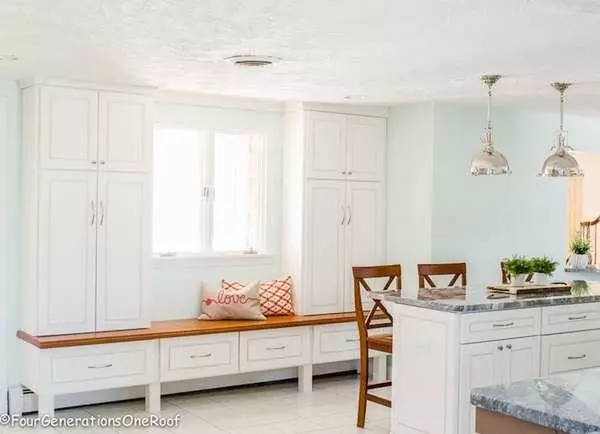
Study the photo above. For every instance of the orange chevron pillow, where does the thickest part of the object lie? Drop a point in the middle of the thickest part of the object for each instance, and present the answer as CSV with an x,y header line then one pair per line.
x,y
275,296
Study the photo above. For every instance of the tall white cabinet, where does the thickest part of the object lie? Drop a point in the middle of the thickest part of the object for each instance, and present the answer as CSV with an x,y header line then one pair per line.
x,y
334,204
87,209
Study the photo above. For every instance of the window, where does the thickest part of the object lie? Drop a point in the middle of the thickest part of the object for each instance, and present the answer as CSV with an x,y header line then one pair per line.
x,y
209,192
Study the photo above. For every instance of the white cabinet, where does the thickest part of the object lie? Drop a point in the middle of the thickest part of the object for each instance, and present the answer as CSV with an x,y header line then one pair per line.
x,y
86,210
67,252
365,232
326,238
342,146
334,204
68,127
125,132
491,363
326,145
124,251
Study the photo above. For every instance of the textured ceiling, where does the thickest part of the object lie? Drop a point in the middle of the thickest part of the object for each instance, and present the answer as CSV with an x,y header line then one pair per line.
x,y
385,51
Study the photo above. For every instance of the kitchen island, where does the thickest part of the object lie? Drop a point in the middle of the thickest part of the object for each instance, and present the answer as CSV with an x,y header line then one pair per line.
x,y
564,403
449,341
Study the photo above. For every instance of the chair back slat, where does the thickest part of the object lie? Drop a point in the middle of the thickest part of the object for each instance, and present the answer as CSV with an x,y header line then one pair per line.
x,y
378,312
456,270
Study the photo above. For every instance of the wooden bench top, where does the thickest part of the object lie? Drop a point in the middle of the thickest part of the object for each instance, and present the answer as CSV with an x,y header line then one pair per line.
x,y
182,327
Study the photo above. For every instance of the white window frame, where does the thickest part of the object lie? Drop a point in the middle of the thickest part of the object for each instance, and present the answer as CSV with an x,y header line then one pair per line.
x,y
209,256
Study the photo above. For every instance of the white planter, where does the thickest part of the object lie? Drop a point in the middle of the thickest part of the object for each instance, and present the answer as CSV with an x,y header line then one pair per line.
x,y
540,278
579,262
518,280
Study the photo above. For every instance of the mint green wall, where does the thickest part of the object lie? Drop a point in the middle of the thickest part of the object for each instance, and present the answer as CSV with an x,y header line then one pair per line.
x,y
9,253
410,187
478,220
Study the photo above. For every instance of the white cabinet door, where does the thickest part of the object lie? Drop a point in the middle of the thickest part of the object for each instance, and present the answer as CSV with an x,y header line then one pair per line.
x,y
124,240
481,365
67,252
366,139
325,145
125,132
365,232
68,128
566,352
324,254
522,359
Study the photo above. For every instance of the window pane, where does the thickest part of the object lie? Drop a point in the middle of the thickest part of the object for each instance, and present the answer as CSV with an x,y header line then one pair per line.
x,y
178,180
237,201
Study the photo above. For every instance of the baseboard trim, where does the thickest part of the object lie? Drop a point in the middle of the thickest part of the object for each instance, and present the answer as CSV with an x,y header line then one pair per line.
x,y
28,401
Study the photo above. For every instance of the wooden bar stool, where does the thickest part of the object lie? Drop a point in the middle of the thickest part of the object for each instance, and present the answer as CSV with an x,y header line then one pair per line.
x,y
378,317
456,270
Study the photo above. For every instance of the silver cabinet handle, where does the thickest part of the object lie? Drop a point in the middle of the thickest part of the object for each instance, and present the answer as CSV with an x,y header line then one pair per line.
x,y
349,215
506,324
500,348
93,162
352,340
583,356
101,213
344,172
349,173
282,347
102,162
108,365
575,318
93,209
200,356
509,347
343,215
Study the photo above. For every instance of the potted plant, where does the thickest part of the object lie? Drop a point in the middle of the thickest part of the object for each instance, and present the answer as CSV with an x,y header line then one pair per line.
x,y
542,268
580,249
518,268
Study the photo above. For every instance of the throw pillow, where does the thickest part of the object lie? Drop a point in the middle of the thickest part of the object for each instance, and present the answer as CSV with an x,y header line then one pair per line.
x,y
276,296
228,303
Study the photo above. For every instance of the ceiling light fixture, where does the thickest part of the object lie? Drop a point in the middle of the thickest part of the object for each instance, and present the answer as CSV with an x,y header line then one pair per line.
x,y
561,163
489,161
252,61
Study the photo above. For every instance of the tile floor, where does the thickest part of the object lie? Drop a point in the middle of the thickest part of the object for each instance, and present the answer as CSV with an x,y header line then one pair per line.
x,y
269,409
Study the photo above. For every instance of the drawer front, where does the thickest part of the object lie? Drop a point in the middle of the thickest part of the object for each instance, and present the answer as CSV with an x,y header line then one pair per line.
x,y
262,350
335,342
104,366
490,326
570,318
570,352
198,356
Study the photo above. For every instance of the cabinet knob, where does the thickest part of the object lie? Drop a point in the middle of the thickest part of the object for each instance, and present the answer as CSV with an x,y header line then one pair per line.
x,y
93,162
509,347
349,173
500,348
344,172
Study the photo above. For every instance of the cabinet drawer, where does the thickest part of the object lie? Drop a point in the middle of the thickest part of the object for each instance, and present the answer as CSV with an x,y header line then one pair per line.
x,y
105,366
490,326
570,318
262,350
570,352
198,356
335,342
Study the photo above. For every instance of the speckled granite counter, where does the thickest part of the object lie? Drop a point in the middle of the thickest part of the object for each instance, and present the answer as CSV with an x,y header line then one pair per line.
x,y
565,402
478,300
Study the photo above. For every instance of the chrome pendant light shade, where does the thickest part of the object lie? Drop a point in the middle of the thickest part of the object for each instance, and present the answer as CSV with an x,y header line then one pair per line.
x,y
489,161
561,163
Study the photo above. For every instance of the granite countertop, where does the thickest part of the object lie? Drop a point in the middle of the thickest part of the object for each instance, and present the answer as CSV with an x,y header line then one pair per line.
x,y
478,300
566,402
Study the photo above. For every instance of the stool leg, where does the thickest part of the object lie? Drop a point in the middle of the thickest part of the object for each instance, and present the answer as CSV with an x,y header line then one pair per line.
x,y
362,393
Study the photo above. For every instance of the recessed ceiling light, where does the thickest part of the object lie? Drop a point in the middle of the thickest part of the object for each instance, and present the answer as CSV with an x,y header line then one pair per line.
x,y
8,58
252,61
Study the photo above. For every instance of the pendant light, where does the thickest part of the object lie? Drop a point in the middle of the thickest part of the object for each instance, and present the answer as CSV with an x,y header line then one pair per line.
x,y
561,162
489,161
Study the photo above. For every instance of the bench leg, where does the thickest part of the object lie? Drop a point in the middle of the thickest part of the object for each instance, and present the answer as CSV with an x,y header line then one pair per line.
x,y
46,405
305,373
153,398
380,369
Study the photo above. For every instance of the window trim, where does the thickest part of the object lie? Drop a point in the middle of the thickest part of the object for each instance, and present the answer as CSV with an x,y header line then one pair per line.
x,y
223,259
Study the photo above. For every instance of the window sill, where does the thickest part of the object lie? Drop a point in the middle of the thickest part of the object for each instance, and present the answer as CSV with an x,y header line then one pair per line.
x,y
224,260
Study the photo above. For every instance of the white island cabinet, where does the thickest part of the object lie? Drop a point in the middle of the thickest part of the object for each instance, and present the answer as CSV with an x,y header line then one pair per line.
x,y
445,348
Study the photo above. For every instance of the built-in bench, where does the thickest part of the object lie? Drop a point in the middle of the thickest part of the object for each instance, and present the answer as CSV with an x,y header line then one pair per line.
x,y
183,350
